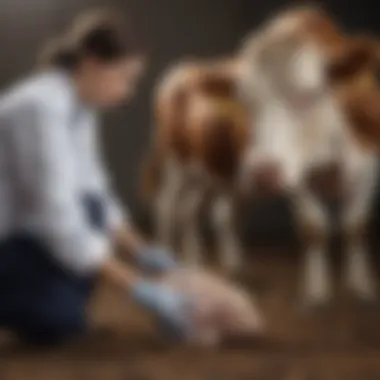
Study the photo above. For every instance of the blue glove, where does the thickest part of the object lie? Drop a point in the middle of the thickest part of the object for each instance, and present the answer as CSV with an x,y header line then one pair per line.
x,y
172,308
155,259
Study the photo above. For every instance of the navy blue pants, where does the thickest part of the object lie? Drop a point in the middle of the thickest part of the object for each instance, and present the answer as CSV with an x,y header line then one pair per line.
x,y
38,300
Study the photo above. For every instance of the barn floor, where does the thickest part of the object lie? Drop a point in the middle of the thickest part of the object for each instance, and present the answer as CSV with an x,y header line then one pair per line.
x,y
342,342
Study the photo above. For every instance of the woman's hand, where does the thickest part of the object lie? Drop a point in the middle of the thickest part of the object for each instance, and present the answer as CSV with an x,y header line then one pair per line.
x,y
173,308
148,257
155,259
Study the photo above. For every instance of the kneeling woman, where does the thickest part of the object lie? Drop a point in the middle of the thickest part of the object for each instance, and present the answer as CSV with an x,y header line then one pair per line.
x,y
59,220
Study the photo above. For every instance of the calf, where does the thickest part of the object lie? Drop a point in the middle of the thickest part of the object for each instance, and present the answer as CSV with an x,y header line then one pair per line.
x,y
317,103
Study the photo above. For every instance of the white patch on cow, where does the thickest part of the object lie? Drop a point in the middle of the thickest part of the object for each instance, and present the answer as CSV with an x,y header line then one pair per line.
x,y
277,139
227,241
305,70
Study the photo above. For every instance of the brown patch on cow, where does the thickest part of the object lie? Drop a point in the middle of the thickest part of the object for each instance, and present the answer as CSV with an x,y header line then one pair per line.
x,y
219,134
354,57
322,29
355,80
198,115
363,113
214,78
217,85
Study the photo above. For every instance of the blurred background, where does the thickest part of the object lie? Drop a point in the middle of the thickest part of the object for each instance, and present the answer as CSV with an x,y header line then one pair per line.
x,y
171,30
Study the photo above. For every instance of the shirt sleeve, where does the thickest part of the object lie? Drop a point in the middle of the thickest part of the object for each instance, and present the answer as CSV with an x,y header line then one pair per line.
x,y
48,171
116,213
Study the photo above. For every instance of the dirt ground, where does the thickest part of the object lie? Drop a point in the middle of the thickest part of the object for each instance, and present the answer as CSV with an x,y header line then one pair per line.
x,y
341,342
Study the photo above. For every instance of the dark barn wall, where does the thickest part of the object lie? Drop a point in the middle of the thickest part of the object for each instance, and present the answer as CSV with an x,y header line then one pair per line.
x,y
170,30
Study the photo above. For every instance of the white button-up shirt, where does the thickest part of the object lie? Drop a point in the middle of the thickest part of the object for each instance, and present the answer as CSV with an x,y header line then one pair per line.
x,y
48,161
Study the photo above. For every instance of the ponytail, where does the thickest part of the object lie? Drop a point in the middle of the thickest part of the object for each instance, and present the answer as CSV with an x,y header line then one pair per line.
x,y
96,34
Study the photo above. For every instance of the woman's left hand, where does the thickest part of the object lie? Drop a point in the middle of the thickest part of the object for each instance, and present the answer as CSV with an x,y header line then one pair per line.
x,y
148,257
156,259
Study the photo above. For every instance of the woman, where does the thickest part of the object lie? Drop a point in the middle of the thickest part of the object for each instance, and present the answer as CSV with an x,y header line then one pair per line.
x,y
59,220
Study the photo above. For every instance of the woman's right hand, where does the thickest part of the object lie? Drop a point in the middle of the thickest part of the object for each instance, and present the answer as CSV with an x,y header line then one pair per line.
x,y
173,309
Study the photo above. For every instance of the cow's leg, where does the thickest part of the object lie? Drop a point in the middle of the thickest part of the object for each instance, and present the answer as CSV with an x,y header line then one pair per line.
x,y
228,244
173,179
313,222
358,272
189,211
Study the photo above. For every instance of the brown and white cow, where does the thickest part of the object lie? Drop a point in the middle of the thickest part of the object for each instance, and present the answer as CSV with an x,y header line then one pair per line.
x,y
200,136
317,103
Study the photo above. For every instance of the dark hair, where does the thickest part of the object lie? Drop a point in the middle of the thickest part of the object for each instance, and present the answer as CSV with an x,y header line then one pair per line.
x,y
97,34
